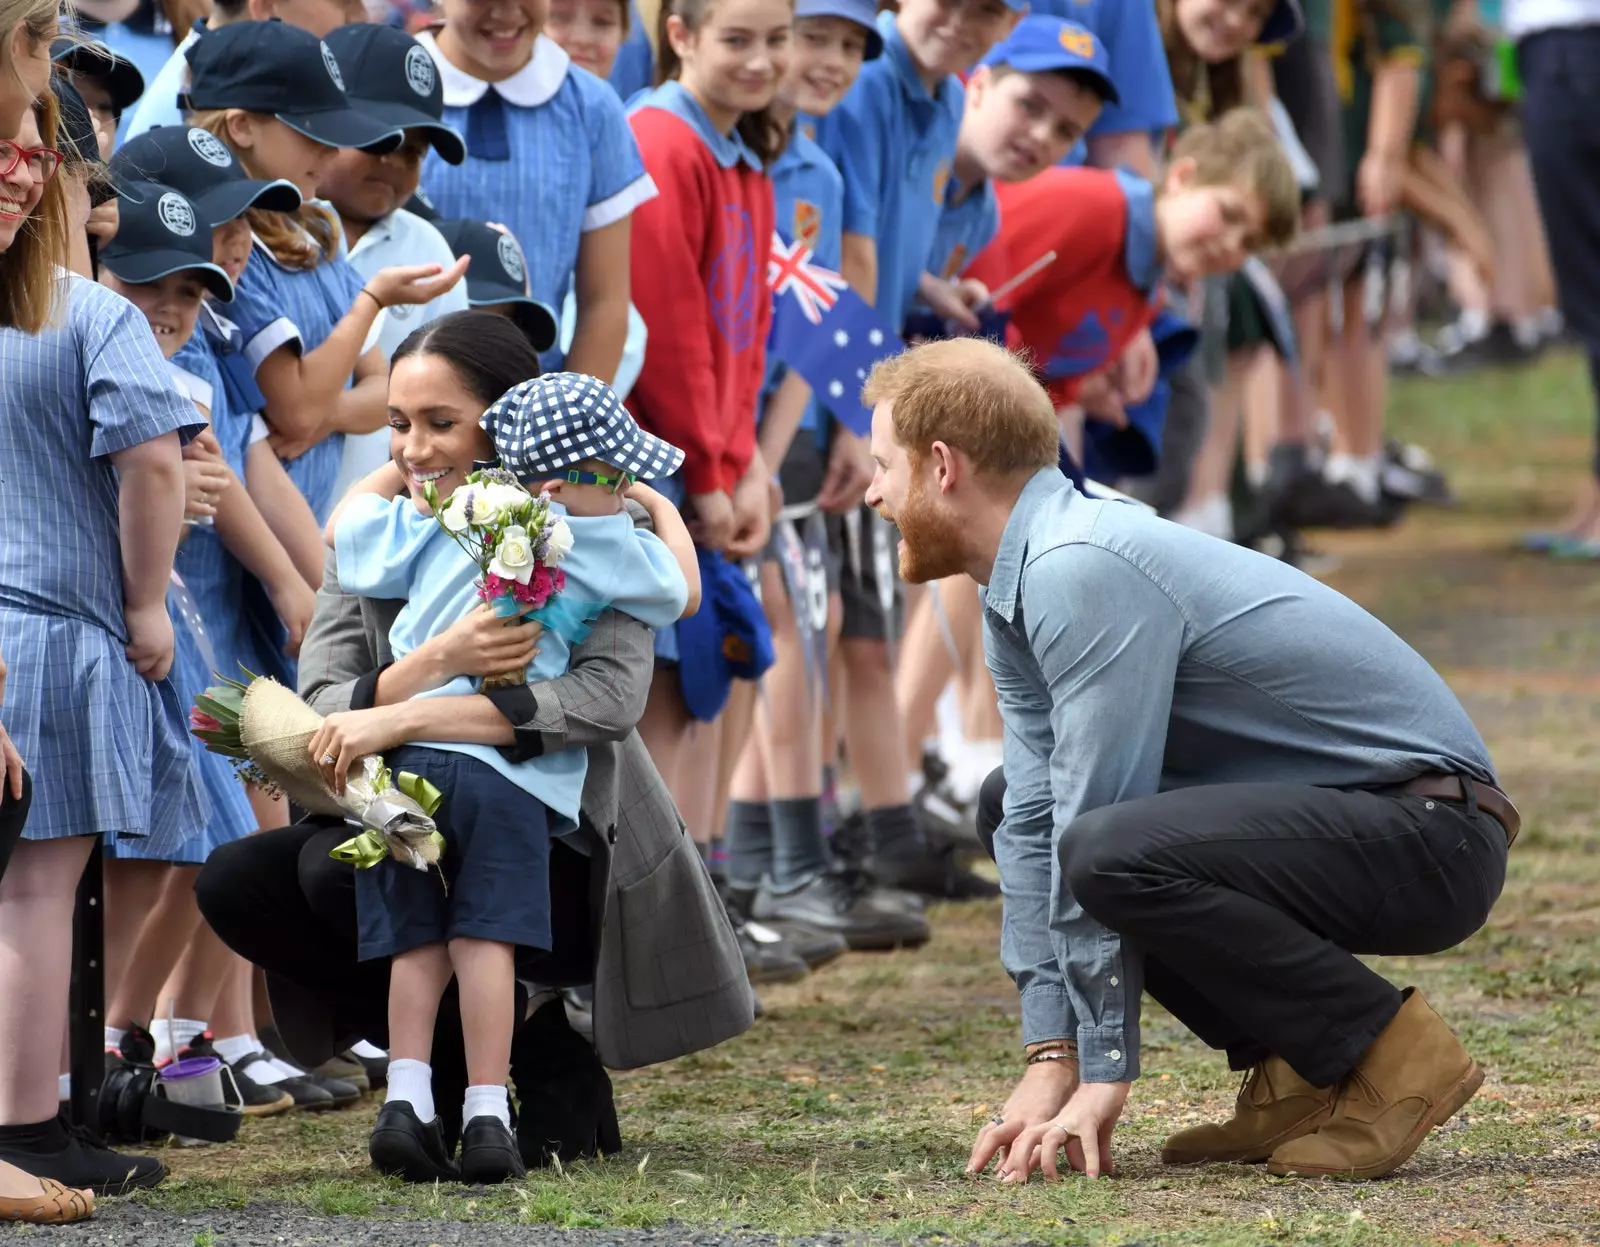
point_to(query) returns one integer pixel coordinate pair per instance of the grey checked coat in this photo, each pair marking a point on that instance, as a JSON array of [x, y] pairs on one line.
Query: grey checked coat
[[670, 978]]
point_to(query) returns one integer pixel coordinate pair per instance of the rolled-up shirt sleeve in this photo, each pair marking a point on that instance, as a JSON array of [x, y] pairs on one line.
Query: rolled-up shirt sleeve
[[1107, 640]]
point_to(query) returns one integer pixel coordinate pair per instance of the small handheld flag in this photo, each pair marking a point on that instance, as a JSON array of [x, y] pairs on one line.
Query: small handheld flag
[[825, 331]]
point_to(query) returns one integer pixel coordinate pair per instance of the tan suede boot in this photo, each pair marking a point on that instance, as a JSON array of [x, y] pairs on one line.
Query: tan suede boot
[[1415, 1076], [1275, 1105]]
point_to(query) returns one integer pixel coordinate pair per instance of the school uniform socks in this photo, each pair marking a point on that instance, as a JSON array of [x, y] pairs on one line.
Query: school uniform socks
[[799, 849], [411, 1082], [173, 1037], [487, 1101], [895, 832], [749, 840]]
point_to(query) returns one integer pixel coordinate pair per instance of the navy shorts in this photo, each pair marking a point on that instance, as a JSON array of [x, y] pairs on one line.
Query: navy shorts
[[496, 865], [865, 618]]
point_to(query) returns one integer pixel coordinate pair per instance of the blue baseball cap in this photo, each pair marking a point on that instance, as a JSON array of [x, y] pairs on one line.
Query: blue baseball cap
[[1040, 43], [498, 276], [390, 76], [285, 72], [862, 12], [203, 167], [161, 231], [1285, 24], [727, 639], [89, 58]]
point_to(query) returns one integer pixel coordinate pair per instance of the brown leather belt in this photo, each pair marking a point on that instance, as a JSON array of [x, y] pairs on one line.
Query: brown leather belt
[[1454, 788]]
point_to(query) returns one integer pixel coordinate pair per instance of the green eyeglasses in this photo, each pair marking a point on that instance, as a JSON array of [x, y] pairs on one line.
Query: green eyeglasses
[[575, 477]]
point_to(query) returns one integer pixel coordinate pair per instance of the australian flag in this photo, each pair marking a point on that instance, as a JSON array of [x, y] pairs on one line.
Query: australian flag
[[825, 331]]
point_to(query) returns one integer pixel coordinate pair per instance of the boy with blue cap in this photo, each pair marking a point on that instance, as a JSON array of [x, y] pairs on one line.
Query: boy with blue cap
[[567, 434], [1029, 103]]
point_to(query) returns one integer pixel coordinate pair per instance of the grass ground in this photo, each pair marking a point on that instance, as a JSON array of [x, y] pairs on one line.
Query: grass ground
[[850, 1107]]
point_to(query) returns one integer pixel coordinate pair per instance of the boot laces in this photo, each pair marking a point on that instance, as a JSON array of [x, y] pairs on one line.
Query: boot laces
[[1367, 1088]]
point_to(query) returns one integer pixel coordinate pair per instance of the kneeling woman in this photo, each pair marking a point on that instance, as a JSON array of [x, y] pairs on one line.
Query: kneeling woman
[[278, 900]]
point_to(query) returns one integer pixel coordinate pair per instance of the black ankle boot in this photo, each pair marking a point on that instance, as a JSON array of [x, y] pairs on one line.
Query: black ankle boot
[[565, 1107]]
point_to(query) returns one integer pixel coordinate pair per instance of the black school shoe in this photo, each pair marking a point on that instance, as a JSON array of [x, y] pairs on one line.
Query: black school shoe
[[565, 1107], [304, 1094], [489, 1155], [401, 1146], [77, 1158]]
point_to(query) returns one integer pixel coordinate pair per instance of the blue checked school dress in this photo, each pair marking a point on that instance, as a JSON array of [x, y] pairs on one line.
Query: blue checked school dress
[[549, 155], [274, 306], [108, 750], [209, 629]]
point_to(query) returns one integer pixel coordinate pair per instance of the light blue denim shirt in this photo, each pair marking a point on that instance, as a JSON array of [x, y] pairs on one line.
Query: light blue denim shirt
[[1134, 656]]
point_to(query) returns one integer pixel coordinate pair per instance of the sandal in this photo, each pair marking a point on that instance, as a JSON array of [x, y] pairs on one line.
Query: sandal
[[56, 1205]]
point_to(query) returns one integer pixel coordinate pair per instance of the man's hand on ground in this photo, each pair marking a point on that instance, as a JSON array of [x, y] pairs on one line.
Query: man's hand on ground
[[1043, 1093], [1083, 1127]]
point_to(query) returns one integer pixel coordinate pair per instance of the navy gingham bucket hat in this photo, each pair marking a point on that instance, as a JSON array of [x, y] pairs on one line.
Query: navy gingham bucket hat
[[545, 426]]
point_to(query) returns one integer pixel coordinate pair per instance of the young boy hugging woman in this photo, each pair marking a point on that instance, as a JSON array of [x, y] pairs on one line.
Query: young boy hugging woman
[[569, 436]]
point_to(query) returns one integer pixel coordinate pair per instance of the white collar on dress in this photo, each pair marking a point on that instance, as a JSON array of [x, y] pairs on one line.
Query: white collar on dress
[[532, 85]]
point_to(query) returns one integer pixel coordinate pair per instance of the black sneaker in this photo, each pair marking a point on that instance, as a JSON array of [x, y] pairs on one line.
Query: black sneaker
[[846, 904], [815, 948], [302, 1091], [767, 955], [489, 1153], [77, 1158], [937, 874], [259, 1099], [376, 1067], [401, 1146]]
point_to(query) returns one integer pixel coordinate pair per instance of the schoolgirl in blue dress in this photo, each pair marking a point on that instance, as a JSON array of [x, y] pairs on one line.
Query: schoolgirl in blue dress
[[550, 155], [274, 94], [91, 430]]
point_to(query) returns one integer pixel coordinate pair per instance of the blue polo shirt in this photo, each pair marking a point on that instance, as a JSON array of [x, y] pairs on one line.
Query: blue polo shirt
[[1138, 64], [893, 142], [966, 226], [808, 194]]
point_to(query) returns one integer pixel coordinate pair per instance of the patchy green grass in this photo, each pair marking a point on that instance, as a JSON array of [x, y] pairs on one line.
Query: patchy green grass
[[850, 1107]]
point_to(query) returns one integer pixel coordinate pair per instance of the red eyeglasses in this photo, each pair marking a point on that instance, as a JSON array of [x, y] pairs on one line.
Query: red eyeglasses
[[43, 162]]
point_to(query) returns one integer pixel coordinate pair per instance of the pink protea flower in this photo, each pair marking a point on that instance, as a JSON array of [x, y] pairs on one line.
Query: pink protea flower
[[200, 721]]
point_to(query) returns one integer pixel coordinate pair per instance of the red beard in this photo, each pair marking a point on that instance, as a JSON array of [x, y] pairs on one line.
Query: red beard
[[931, 546]]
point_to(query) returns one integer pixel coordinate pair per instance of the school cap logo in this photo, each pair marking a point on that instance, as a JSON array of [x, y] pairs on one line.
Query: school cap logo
[[331, 63], [175, 214], [511, 258], [210, 148], [1078, 41], [420, 73]]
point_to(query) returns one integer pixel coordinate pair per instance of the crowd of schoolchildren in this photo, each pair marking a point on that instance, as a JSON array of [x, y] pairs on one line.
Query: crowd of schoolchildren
[[269, 268]]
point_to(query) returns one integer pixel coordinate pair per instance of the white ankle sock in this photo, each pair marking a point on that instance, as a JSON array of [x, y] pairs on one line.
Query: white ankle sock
[[246, 1052], [285, 1068], [1473, 322], [1212, 516], [411, 1082], [182, 1032], [64, 1085], [481, 1102], [371, 1051], [114, 1037], [1363, 474]]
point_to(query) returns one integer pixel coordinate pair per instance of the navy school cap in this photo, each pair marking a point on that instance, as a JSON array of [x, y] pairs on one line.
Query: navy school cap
[[284, 72], [160, 231], [75, 136], [198, 164], [89, 58], [1040, 43], [727, 639], [1285, 24], [863, 13], [498, 274], [390, 76]]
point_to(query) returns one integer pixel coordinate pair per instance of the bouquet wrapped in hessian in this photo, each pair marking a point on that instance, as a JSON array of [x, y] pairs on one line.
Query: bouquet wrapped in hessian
[[266, 730], [516, 541]]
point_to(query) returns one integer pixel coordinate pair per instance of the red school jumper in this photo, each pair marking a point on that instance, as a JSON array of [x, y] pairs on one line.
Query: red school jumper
[[699, 280], [1078, 314]]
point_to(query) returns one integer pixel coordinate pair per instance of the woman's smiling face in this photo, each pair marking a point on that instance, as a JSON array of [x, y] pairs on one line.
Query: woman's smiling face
[[434, 434]]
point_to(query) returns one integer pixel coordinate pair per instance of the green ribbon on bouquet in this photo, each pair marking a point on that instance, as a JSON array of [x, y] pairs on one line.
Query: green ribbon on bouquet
[[366, 850]]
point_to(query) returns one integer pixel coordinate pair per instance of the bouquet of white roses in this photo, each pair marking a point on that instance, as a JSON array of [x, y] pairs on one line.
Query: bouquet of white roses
[[516, 541], [266, 730]]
